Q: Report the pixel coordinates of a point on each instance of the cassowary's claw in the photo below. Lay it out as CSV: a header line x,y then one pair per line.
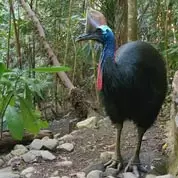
x,y
136,168
114,164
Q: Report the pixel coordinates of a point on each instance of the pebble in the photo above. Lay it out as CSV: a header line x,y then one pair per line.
x,y
67,138
57,136
95,174
28,172
49,143
46,155
19,152
64,164
87,123
91,167
7,173
36,144
66,147
31,156
18,146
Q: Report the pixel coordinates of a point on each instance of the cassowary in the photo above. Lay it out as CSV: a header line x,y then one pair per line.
x,y
132,81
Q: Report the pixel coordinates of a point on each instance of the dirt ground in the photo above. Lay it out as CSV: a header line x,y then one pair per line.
x,y
89,143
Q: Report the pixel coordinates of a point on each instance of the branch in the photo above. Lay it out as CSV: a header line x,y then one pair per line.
x,y
62,75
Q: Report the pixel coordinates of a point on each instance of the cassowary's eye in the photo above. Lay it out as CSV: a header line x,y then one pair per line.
x,y
99,31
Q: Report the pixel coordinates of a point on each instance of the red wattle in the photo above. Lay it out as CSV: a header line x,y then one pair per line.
x,y
99,78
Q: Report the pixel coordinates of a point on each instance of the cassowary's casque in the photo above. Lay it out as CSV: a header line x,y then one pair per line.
x,y
132,80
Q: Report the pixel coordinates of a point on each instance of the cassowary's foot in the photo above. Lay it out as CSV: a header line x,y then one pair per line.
x,y
114,163
136,167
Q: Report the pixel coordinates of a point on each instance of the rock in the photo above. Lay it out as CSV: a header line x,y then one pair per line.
x,y
165,176
87,123
36,144
150,176
7,173
128,175
27,173
57,136
19,151
64,164
67,138
95,174
15,163
56,177
56,173
106,156
31,156
66,147
78,175
18,146
46,155
8,157
1,162
111,172
65,177
98,166
49,143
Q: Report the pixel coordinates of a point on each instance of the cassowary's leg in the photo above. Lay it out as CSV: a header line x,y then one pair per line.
x,y
134,163
116,162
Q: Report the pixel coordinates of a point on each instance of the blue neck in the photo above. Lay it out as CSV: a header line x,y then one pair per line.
x,y
108,50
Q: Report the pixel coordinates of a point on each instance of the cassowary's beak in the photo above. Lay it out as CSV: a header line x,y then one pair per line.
x,y
89,36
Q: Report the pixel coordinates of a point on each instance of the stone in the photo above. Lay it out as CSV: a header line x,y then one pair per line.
x,y
91,167
19,151
128,175
56,177
7,173
1,162
78,175
18,146
165,176
150,176
57,136
31,156
111,172
66,147
8,157
56,173
65,177
87,123
49,143
106,156
27,173
15,163
64,164
36,144
46,155
67,138
95,174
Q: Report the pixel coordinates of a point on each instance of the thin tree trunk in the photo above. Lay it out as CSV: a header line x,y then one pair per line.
x,y
132,20
62,75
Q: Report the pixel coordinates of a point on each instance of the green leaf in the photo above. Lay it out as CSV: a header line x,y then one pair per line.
x,y
52,69
30,119
14,122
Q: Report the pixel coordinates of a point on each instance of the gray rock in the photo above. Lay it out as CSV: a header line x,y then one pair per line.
x,y
8,157
88,123
19,151
46,155
56,173
27,173
31,156
78,175
64,164
95,174
57,136
49,143
66,147
67,138
106,156
1,162
36,144
128,175
111,172
91,167
65,177
18,146
15,163
56,177
7,173
150,176
165,176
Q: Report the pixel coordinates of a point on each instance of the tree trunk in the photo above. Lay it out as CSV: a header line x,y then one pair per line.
x,y
132,20
121,22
